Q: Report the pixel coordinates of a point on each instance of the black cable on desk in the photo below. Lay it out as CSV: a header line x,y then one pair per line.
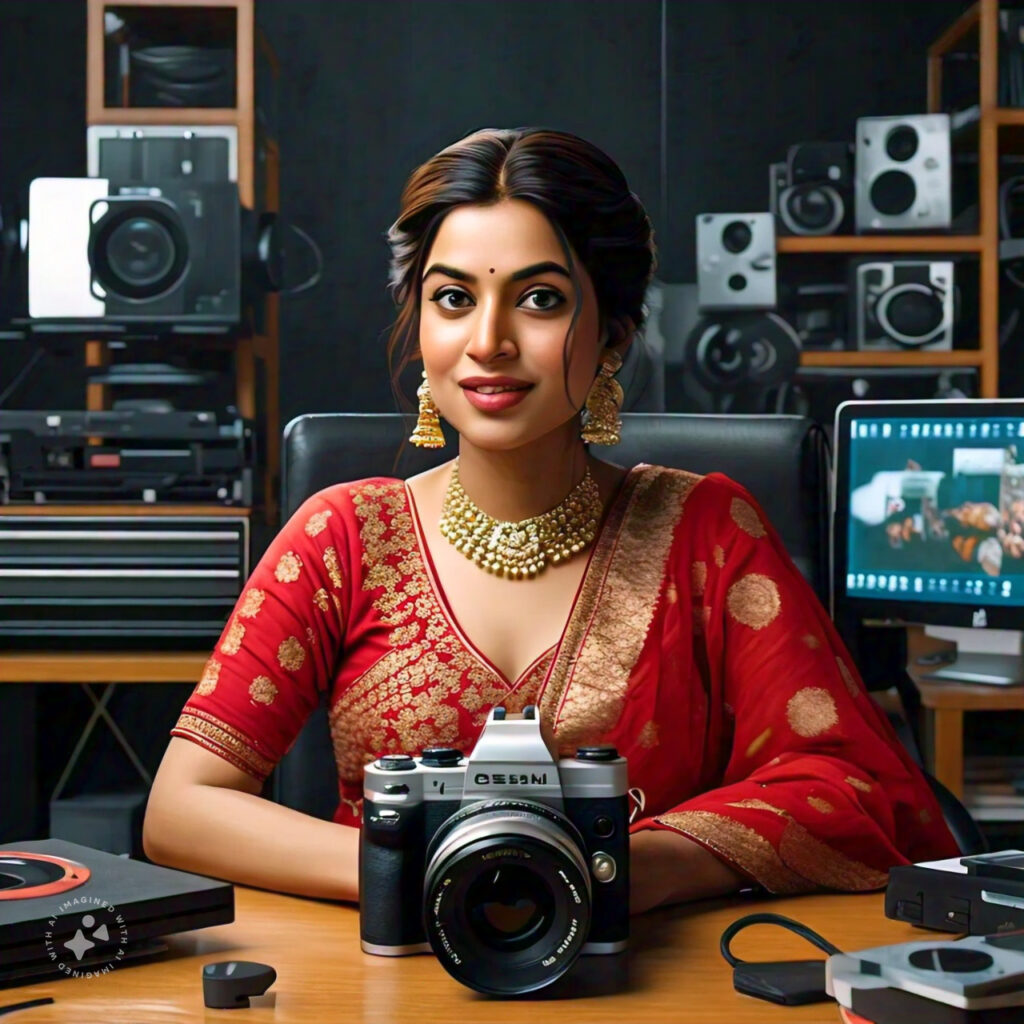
x,y
11,1007
785,922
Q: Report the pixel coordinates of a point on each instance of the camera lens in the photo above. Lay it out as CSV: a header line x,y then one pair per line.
x,y
509,907
138,249
507,898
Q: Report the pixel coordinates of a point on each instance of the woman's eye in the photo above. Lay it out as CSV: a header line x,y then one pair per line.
x,y
451,298
544,299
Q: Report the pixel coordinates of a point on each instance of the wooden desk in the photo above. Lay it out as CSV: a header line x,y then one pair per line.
x,y
673,968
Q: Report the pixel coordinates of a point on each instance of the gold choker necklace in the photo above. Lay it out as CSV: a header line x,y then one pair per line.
x,y
521,550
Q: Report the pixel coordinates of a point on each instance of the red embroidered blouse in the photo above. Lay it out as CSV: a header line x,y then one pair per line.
x,y
694,646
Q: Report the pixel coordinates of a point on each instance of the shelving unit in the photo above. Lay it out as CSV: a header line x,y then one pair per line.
x,y
979,22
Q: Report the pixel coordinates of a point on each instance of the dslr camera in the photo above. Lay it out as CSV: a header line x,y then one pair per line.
x,y
507,864
811,192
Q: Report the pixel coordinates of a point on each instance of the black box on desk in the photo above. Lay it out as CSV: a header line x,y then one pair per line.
x,y
103,821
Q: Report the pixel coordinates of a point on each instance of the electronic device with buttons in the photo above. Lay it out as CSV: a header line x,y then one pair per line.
x,y
978,895
507,864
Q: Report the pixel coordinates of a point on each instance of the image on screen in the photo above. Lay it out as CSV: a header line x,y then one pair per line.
x,y
936,510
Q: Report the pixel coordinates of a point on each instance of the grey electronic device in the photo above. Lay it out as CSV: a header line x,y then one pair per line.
x,y
736,261
903,304
903,178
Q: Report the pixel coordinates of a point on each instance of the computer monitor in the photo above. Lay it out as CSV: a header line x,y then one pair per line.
x,y
928,525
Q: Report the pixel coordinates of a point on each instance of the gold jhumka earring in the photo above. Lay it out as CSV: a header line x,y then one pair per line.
x,y
604,401
428,424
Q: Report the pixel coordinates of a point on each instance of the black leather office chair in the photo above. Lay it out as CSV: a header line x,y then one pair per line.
x,y
782,460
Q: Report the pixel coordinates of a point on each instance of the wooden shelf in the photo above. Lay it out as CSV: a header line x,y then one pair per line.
x,y
957,31
102,666
171,115
956,357
125,510
880,243
1007,115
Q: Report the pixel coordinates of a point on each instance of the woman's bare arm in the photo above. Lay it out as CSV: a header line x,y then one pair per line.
x,y
206,816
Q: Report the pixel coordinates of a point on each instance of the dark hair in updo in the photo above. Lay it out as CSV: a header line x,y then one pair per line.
x,y
574,184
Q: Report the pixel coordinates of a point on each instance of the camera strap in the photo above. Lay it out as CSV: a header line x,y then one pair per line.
x,y
787,982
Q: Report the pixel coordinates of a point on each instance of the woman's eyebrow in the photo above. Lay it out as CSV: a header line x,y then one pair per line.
x,y
545,267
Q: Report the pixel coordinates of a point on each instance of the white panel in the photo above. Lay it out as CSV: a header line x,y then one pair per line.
x,y
58,247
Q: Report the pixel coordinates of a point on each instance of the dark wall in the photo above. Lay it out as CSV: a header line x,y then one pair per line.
x,y
693,97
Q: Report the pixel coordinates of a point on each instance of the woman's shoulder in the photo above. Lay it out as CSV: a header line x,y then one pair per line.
x,y
342,500
708,489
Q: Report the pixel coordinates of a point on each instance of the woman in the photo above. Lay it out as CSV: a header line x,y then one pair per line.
x,y
651,609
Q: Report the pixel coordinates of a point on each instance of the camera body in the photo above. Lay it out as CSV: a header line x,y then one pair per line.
x,y
811,192
162,252
903,304
507,864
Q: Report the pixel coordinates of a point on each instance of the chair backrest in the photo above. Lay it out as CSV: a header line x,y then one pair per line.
x,y
781,460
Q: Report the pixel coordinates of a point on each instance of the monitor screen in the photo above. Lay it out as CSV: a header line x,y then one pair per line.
x,y
928,521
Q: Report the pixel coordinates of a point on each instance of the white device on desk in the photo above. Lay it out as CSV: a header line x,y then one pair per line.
x,y
928,526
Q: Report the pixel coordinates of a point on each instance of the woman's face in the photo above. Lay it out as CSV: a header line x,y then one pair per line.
x,y
495,308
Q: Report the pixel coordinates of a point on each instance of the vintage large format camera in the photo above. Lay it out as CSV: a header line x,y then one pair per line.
x,y
507,864
160,252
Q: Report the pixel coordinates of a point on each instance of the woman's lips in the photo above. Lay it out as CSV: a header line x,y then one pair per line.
x,y
491,398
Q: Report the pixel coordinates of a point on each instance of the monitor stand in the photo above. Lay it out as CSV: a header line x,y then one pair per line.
x,y
991,656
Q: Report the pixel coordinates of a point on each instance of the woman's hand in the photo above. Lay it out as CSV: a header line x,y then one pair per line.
x,y
665,867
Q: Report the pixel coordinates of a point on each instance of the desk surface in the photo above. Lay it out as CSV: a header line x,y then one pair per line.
x,y
673,970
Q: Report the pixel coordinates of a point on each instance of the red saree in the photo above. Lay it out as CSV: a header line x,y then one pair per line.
x,y
694,645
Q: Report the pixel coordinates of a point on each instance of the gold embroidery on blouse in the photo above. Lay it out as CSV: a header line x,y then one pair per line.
x,y
744,516
262,690
403,701
232,642
223,739
252,602
753,600
719,556
824,866
333,569
699,577
321,600
820,804
864,787
848,681
289,568
811,641
317,523
811,711
208,683
757,743
648,735
740,844
609,623
291,654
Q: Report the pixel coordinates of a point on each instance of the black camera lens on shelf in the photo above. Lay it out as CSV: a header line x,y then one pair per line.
x,y
736,236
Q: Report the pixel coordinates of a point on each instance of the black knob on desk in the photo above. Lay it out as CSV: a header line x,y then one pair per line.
x,y
228,984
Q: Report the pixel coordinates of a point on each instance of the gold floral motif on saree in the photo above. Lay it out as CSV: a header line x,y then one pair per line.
x,y
811,711
321,600
232,642
864,787
252,601
699,577
291,654
753,600
289,568
208,681
820,804
262,690
824,866
758,742
744,516
332,566
317,523
608,626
